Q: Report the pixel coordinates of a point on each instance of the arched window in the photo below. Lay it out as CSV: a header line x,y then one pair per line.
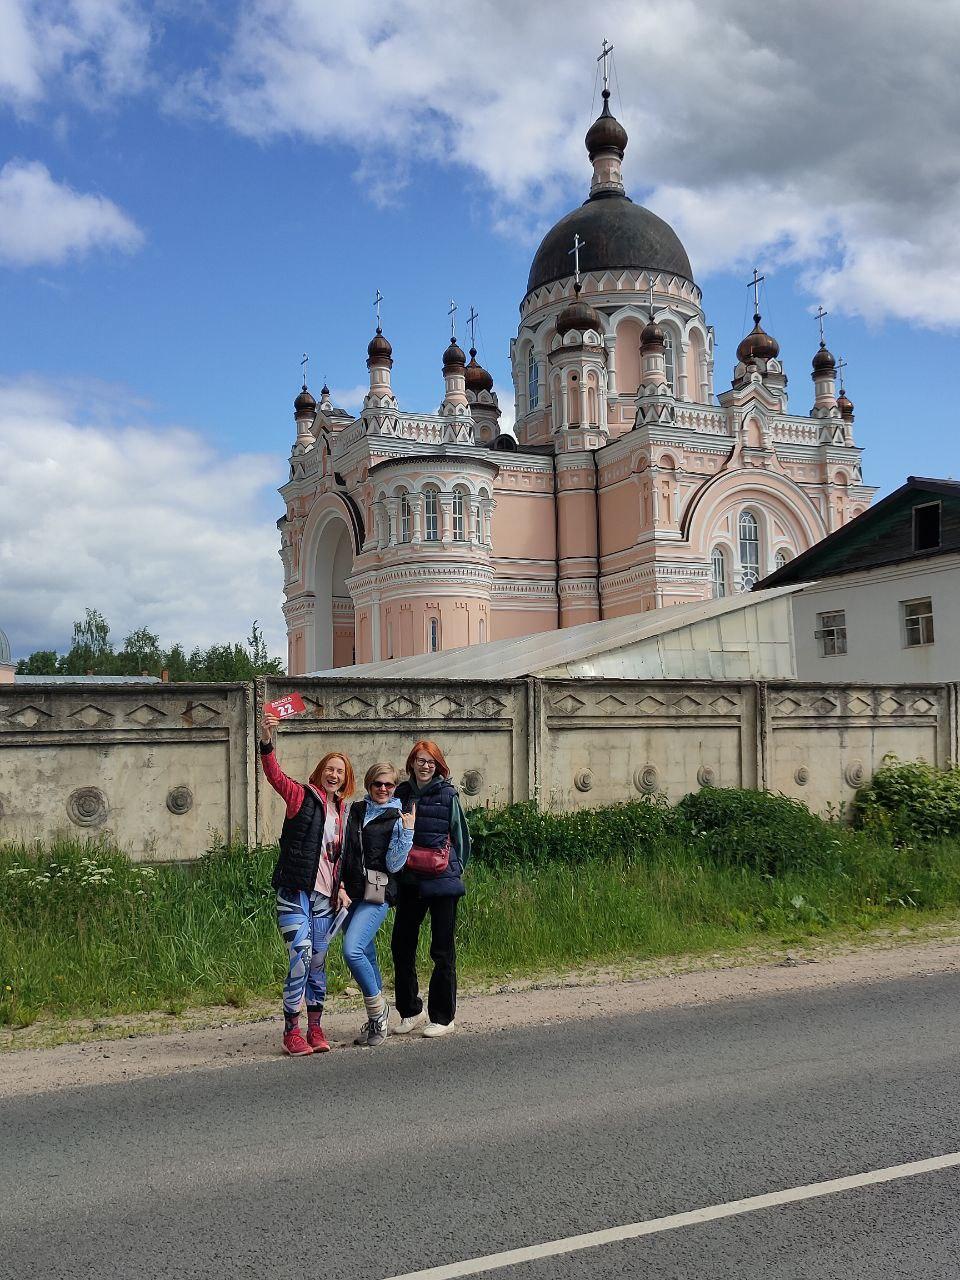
x,y
431,515
406,519
480,530
781,558
482,631
433,636
719,563
749,550
459,524
668,363
533,380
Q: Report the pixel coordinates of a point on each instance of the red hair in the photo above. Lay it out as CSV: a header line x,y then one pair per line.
x,y
433,751
349,784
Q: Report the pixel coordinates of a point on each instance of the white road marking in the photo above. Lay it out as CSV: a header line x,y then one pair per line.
x,y
633,1230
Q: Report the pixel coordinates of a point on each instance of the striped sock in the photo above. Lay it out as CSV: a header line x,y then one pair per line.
x,y
375,1005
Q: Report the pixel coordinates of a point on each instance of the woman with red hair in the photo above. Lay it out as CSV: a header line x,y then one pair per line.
x,y
310,844
432,881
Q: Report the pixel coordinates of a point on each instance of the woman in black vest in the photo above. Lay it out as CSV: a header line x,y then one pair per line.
x,y
376,840
431,881
304,879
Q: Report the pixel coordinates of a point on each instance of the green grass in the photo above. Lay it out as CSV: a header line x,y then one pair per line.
x,y
83,932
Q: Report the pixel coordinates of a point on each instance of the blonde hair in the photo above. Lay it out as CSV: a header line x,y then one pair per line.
x,y
377,770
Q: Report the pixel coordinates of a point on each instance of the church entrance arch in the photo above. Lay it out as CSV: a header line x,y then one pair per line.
x,y
334,622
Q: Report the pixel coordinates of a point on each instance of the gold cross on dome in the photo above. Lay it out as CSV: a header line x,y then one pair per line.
x,y
578,244
605,53
755,285
820,314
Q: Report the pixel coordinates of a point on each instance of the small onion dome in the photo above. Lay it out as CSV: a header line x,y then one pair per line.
x,y
823,361
577,315
453,358
304,405
476,376
845,405
651,336
324,392
379,351
606,133
757,345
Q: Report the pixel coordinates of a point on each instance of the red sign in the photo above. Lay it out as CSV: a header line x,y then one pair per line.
x,y
283,708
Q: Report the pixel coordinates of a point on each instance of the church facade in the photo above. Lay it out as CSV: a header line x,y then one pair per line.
x,y
630,483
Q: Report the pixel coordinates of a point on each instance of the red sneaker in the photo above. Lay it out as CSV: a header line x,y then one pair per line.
x,y
294,1043
317,1041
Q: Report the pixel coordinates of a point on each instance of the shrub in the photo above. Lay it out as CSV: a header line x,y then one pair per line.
x,y
523,833
911,799
758,829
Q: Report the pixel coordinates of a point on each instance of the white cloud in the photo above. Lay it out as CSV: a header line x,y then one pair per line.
x,y
350,397
94,49
819,135
43,221
152,527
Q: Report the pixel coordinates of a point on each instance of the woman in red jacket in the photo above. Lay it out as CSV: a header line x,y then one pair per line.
x,y
304,879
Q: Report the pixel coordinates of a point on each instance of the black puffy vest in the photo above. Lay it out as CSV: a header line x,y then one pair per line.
x,y
432,829
301,846
366,846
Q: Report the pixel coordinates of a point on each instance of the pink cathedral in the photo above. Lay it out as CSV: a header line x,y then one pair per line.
x,y
630,484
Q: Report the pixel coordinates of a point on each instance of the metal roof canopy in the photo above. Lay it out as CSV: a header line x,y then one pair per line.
x,y
544,651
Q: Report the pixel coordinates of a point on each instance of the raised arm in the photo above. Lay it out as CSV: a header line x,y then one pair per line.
x,y
290,792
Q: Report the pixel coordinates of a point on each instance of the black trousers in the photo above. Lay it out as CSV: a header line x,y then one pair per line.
x,y
409,916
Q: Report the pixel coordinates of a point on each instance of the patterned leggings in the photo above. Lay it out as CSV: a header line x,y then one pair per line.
x,y
303,920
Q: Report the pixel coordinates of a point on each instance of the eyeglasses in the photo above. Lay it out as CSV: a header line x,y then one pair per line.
x,y
427,764
387,786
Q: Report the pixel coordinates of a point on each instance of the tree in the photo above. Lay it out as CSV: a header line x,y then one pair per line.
x,y
41,663
93,652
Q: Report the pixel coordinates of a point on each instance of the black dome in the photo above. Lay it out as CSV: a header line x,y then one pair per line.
x,y
304,403
617,234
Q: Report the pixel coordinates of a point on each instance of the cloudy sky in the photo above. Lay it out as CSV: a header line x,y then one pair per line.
x,y
192,194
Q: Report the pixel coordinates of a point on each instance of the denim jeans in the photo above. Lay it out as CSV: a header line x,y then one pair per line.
x,y
360,945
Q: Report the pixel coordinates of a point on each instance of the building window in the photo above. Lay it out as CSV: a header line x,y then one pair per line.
x,y
431,515
917,622
926,527
482,630
433,640
749,550
406,519
533,380
668,363
459,525
781,558
831,633
719,563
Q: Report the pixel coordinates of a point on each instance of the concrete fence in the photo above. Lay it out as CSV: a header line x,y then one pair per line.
x,y
163,769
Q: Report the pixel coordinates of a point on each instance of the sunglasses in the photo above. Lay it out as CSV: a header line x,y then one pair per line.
x,y
388,786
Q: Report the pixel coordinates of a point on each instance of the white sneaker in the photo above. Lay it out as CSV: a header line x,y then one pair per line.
x,y
433,1029
406,1025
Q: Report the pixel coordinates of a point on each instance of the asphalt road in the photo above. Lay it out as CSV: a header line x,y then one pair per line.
x,y
374,1164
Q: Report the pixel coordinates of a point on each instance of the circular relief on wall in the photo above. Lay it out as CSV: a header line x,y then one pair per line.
x,y
584,780
855,773
706,775
472,782
87,807
179,800
647,779
802,776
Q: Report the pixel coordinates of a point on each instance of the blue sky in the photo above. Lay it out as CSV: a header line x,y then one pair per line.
x,y
190,198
